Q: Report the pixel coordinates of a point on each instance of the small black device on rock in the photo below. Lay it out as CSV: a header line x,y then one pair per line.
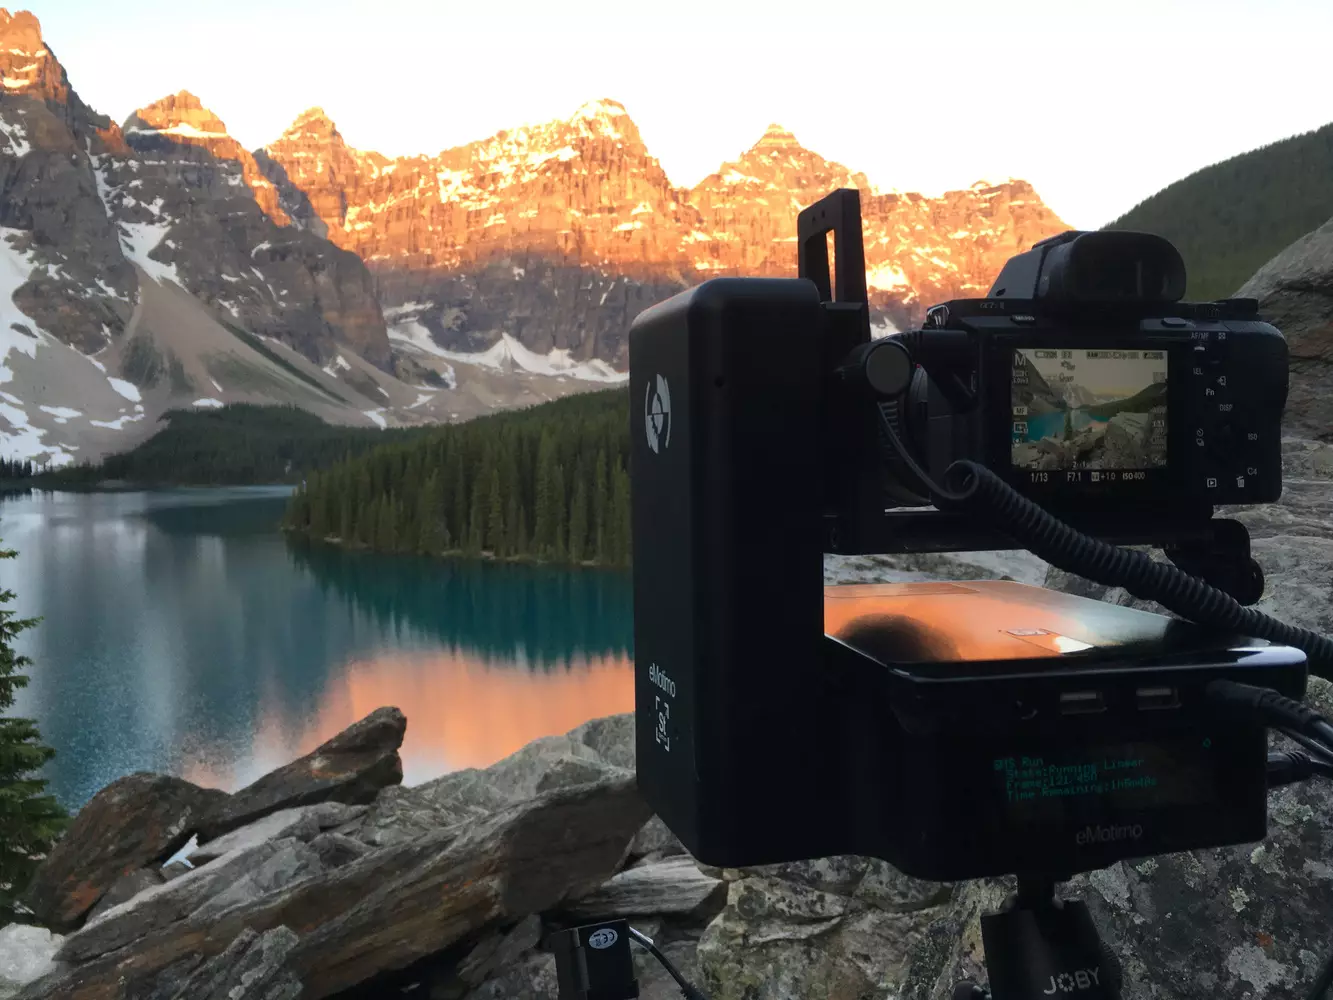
x,y
966,729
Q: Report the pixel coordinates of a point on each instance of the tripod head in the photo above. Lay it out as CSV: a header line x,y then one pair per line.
x,y
1039,946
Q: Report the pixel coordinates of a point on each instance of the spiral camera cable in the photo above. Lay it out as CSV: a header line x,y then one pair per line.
x,y
986,494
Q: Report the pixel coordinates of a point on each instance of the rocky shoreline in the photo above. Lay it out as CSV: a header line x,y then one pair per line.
x,y
329,878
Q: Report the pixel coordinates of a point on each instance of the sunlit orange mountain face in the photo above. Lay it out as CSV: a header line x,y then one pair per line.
x,y
404,290
586,192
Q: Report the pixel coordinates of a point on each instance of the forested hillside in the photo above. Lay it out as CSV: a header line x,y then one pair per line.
x,y
234,445
1229,219
548,483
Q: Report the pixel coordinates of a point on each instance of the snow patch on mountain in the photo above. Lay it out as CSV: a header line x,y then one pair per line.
x,y
15,267
331,369
183,129
508,354
61,413
119,423
414,336
414,309
207,403
140,239
16,139
127,389
22,440
377,416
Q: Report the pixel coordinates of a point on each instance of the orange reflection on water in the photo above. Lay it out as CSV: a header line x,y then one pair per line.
x,y
461,712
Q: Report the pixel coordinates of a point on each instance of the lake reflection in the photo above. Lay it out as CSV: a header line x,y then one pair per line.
x,y
184,635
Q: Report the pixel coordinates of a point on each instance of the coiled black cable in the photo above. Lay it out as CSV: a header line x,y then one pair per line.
x,y
983,492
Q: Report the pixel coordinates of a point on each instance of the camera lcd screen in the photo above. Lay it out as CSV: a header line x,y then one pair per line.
x,y
1099,413
1063,786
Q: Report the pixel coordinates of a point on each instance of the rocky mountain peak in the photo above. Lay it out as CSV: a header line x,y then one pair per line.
x,y
779,161
27,65
173,123
776,137
180,114
606,118
20,33
28,68
312,166
312,123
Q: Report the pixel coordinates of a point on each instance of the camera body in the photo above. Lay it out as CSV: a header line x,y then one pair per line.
x,y
947,732
1197,420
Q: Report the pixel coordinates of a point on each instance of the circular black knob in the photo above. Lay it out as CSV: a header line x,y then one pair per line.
x,y
887,368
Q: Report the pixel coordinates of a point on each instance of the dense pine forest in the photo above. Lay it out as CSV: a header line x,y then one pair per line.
x,y
1230,219
241,444
549,483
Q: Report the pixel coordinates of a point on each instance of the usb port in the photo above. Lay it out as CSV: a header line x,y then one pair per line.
x,y
1150,698
1081,702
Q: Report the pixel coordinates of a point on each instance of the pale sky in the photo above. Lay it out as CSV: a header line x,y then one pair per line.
x,y
1098,104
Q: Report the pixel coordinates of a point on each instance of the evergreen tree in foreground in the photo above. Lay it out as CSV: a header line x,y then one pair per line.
x,y
30,820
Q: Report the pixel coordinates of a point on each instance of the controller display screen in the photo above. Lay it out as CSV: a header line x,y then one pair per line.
x,y
1097,415
1129,777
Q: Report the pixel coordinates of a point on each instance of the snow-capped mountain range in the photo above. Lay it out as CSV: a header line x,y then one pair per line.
x,y
160,264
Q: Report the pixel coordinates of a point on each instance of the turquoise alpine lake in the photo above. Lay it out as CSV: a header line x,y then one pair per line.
x,y
184,634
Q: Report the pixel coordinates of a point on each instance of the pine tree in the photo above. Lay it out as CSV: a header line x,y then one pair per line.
x,y
345,528
318,504
578,523
297,517
429,534
521,532
515,545
385,535
544,526
458,493
559,515
368,532
620,518
601,501
475,520
30,820
495,517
